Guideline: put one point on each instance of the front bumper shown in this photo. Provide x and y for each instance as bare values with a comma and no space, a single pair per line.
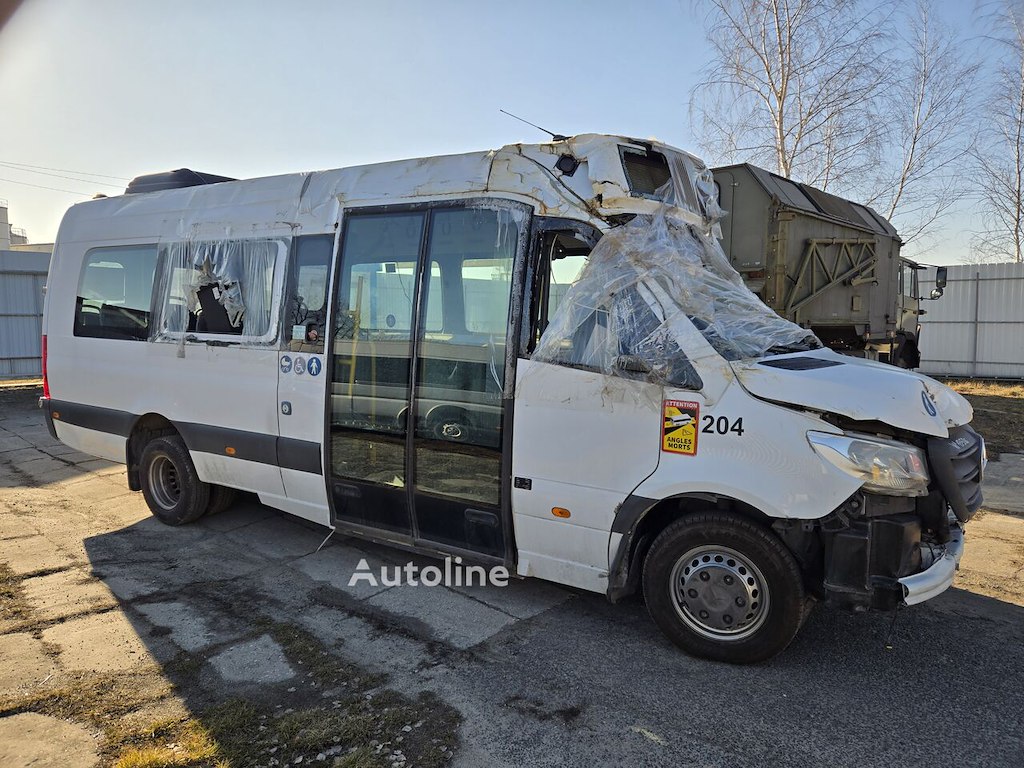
939,575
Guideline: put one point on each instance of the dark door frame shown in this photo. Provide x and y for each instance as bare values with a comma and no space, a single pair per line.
518,310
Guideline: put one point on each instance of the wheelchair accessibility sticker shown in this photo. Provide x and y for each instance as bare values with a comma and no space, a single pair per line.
679,432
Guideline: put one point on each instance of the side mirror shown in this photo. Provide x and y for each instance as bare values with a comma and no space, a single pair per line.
940,279
935,294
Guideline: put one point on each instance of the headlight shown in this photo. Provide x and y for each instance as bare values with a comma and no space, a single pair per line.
885,466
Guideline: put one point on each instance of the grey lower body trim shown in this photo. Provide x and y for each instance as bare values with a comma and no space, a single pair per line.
286,452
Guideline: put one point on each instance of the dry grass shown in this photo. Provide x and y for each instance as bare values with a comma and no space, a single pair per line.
22,384
148,722
187,743
998,412
241,733
14,607
1010,389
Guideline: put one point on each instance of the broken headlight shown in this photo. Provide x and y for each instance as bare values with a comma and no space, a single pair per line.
885,466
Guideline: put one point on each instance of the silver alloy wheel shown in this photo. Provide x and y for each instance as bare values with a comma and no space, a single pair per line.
719,593
163,482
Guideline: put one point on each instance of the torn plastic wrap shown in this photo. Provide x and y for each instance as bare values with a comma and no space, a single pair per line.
642,280
693,188
219,287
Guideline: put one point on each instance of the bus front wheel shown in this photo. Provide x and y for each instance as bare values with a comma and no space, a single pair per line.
172,489
723,588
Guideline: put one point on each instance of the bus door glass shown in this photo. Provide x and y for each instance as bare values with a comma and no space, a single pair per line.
418,369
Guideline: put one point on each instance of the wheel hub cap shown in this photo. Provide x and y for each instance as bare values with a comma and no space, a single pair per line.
164,483
719,593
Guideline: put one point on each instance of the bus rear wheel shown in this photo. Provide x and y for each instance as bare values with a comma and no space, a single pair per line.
172,488
723,588
221,497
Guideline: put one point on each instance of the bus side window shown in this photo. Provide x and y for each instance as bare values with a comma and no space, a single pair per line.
306,309
115,292
220,287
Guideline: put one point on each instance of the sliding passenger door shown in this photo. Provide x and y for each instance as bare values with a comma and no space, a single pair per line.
460,483
420,373
371,364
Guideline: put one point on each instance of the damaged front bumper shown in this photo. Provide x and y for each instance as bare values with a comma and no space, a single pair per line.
938,577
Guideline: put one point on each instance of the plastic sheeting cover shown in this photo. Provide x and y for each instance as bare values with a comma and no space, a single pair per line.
241,273
644,278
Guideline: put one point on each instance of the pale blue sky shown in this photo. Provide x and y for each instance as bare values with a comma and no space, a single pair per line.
125,87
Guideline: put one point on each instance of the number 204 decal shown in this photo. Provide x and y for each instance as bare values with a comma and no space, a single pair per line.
722,425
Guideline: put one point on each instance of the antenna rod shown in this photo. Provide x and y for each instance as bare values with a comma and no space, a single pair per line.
554,136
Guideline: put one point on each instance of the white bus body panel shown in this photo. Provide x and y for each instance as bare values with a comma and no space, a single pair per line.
584,441
770,466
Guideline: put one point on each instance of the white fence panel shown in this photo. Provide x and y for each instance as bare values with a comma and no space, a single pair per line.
977,327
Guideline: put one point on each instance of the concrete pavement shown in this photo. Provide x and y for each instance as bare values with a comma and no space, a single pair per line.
541,675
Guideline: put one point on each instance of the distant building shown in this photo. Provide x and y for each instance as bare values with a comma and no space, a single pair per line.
34,247
10,235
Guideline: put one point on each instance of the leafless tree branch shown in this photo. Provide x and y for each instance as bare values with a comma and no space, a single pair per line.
816,90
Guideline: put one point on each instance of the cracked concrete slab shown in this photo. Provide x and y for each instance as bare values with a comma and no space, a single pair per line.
522,599
25,665
383,651
278,537
189,629
41,465
10,442
13,527
67,593
41,741
256,661
335,566
123,582
104,642
34,553
239,515
451,617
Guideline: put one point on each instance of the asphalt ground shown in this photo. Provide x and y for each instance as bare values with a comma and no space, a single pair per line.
536,674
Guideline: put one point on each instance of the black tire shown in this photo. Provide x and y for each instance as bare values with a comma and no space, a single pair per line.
723,588
170,485
221,497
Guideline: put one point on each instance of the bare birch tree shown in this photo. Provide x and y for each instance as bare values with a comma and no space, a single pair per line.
927,139
794,85
815,90
1000,151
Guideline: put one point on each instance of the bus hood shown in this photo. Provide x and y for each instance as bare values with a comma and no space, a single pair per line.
825,381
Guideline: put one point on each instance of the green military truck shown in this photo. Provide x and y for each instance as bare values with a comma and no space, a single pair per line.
828,264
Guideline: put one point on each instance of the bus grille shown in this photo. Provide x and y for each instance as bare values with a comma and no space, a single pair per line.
956,464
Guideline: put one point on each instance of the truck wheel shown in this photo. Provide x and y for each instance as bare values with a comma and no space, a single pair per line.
723,588
221,497
170,485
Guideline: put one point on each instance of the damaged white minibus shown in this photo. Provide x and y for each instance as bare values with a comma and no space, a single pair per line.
537,356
